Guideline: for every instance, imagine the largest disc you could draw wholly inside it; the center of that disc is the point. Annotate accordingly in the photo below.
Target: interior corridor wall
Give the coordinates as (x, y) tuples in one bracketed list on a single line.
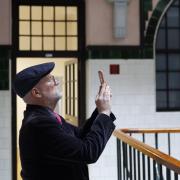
[(133, 103)]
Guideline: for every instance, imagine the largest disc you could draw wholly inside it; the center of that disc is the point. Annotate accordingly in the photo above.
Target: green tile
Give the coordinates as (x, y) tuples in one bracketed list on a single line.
[(4, 68)]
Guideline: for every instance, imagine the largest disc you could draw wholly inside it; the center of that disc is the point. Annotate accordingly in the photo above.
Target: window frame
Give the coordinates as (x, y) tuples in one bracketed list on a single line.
[(166, 51)]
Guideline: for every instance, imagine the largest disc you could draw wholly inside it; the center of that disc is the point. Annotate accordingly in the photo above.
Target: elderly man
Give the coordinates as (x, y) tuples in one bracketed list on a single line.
[(51, 148)]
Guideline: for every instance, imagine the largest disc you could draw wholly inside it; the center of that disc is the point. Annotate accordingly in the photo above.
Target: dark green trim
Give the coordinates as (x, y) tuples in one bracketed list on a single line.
[(147, 8), (118, 52), (153, 22), (4, 67)]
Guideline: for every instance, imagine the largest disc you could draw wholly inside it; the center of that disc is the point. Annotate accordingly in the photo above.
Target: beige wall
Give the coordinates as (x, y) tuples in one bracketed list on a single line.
[(5, 22), (99, 23), (99, 19)]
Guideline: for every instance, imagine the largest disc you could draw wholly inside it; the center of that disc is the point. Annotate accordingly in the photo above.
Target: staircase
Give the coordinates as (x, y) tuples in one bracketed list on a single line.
[(139, 161)]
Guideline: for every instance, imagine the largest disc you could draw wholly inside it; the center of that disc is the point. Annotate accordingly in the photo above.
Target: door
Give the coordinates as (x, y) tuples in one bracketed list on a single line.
[(43, 32)]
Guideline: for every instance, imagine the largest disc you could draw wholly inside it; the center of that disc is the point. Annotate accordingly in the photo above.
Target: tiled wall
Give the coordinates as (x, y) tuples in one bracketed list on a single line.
[(134, 104), (5, 135)]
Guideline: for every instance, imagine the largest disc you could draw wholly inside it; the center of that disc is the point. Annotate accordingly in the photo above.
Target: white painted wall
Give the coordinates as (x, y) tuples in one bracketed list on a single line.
[(134, 104), (5, 135)]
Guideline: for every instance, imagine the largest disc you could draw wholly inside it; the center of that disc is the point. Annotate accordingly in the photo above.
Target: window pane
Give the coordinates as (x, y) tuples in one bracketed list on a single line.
[(59, 13), (160, 43), (72, 43), (162, 24), (67, 73), (68, 95), (174, 62), (57, 26), (76, 90), (48, 28), (24, 12), (161, 99), (176, 2), (36, 13), (36, 43), (71, 28), (76, 108), (76, 72), (60, 43), (68, 109), (161, 81), (60, 28), (24, 28), (36, 28), (161, 62), (173, 38), (174, 99), (48, 13), (72, 89), (72, 106), (174, 80), (48, 43), (72, 13), (168, 61), (66, 106), (173, 17), (24, 43), (72, 69)]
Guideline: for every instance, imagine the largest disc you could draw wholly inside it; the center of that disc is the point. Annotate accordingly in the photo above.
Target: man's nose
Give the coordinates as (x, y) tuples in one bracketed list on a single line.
[(56, 82)]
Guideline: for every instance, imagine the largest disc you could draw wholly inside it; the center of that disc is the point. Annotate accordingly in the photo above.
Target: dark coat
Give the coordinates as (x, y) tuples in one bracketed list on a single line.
[(53, 151)]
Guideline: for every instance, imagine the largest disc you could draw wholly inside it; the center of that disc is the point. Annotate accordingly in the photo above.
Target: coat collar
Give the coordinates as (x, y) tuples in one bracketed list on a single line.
[(37, 108)]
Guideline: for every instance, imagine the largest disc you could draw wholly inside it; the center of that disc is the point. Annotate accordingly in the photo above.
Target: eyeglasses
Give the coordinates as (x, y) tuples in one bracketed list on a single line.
[(54, 80)]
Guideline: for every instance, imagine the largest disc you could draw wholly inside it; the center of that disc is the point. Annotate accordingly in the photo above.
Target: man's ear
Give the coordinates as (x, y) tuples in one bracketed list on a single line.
[(36, 93)]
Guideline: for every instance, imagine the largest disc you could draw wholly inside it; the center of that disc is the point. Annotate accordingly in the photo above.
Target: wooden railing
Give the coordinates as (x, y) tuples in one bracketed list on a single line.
[(139, 161)]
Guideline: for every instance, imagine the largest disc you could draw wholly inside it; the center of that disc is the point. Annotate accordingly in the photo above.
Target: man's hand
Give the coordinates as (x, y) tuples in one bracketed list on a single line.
[(103, 99)]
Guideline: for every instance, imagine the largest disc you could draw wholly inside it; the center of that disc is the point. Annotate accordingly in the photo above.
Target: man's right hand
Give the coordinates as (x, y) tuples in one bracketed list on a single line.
[(103, 99)]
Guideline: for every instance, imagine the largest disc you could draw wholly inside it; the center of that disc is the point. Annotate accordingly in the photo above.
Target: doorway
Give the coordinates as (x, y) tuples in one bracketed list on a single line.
[(66, 72), (46, 31)]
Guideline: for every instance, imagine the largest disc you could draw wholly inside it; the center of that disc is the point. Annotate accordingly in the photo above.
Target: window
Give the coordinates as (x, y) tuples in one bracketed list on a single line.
[(71, 92), (168, 60), (48, 28)]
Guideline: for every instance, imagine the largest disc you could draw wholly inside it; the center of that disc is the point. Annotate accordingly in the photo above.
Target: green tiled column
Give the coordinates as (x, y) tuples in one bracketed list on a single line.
[(4, 68)]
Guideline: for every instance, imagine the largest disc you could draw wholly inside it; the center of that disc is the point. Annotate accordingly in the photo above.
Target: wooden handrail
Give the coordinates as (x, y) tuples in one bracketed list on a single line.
[(158, 130), (155, 154)]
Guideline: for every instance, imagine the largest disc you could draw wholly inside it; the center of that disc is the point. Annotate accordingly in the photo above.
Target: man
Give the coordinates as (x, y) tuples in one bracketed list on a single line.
[(50, 148)]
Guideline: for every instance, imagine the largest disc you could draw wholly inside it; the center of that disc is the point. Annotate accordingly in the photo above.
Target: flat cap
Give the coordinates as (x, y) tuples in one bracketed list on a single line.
[(26, 79)]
